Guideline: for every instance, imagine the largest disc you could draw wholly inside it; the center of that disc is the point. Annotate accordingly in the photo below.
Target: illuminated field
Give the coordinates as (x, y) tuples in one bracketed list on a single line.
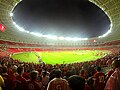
[(58, 57)]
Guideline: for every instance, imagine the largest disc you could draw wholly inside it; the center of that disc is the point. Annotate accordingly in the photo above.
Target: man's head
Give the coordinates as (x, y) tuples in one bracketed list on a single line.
[(14, 68), (20, 70), (76, 82), (57, 73), (99, 68), (34, 75), (4, 69), (116, 64)]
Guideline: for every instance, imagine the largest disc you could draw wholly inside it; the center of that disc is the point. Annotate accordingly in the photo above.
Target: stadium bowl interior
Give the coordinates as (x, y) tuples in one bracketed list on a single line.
[(13, 38)]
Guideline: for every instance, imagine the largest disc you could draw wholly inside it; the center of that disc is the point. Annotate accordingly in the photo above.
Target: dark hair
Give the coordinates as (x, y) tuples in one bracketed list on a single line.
[(33, 74), (90, 81), (9, 65), (19, 70), (82, 71), (40, 78), (44, 73), (4, 69), (58, 73), (76, 82), (116, 63), (99, 68)]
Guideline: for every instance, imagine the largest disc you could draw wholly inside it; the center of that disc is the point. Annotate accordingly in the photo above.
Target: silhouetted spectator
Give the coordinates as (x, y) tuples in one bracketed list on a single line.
[(33, 84), (99, 79), (113, 82), (76, 82), (20, 80), (7, 80)]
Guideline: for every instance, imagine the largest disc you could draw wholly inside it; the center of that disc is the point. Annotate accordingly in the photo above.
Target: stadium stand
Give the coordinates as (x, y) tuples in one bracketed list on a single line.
[(67, 69)]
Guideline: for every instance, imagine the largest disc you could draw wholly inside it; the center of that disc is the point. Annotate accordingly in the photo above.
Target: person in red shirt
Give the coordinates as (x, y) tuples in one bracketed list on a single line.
[(33, 84), (90, 82), (99, 79), (113, 82), (8, 82), (26, 74), (86, 73), (58, 83), (82, 73), (109, 73), (87, 87), (45, 78), (9, 71), (20, 80)]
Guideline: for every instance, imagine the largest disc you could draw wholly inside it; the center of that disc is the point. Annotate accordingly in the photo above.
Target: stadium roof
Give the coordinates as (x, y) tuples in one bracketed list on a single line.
[(110, 7)]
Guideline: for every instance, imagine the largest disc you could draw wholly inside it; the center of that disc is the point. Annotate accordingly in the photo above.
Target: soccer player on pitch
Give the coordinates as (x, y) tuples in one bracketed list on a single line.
[(40, 61)]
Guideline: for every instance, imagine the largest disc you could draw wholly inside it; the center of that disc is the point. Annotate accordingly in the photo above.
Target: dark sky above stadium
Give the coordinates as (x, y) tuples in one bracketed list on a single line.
[(69, 18)]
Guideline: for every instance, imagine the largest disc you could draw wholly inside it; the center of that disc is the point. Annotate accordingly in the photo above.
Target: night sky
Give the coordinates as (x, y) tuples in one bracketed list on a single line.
[(69, 18)]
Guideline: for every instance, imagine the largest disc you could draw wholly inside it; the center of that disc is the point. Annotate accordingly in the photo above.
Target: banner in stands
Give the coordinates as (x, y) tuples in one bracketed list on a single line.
[(2, 28)]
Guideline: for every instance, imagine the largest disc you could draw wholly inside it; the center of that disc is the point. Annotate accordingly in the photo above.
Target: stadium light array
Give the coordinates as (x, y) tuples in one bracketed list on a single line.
[(75, 39), (53, 37), (68, 38), (20, 28), (27, 31), (14, 23), (104, 35), (83, 38), (36, 34), (61, 38), (108, 32)]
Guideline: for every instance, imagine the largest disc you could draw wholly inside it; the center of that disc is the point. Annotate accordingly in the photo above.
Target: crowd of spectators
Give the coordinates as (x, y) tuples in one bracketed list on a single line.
[(16, 75)]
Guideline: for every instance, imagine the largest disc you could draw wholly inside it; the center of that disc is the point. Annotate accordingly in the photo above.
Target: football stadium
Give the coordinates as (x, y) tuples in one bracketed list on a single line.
[(43, 40)]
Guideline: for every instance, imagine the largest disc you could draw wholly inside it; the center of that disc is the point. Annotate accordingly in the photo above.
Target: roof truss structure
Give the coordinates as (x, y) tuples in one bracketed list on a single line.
[(110, 7)]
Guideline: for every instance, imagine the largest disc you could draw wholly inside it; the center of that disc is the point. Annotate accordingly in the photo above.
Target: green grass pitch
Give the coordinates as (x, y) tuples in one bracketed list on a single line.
[(58, 57)]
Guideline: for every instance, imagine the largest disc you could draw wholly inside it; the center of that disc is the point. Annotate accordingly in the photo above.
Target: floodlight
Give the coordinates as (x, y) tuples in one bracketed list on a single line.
[(17, 26), (75, 39), (52, 37), (68, 38), (11, 14), (44, 35), (36, 34), (61, 38), (94, 41), (14, 23), (108, 32), (84, 38), (16, 4), (104, 35), (21, 29), (27, 31), (99, 36)]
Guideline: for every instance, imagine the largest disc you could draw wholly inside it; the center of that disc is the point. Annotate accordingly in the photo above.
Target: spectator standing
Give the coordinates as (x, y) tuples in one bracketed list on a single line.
[(20, 80), (7, 80), (113, 82), (45, 79), (99, 79), (58, 83), (76, 82), (33, 83)]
